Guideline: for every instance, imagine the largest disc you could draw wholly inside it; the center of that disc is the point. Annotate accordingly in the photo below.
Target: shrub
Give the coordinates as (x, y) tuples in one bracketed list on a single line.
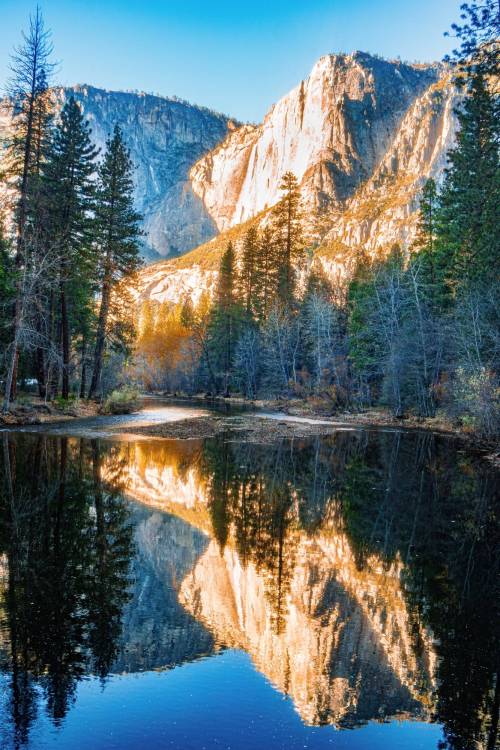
[(122, 401), (477, 401), (66, 405)]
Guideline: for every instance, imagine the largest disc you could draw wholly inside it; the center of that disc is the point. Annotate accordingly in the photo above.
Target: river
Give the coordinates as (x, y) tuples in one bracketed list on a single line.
[(337, 591)]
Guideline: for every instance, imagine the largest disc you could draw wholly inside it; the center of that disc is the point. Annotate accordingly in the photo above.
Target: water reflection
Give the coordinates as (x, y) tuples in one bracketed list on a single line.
[(66, 545), (359, 571)]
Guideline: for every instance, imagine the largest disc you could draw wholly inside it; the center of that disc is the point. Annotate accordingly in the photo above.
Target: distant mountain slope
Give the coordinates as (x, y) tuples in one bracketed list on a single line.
[(166, 136), (360, 133)]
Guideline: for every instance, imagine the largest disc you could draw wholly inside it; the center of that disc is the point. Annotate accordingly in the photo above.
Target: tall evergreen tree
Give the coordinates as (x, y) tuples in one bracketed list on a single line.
[(426, 245), (426, 229), (267, 272), (250, 271), (117, 233), (69, 191), (469, 243), (28, 91), (288, 233), (225, 315)]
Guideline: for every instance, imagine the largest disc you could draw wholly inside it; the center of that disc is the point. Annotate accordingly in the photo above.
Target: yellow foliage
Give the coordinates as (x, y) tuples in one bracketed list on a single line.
[(164, 343)]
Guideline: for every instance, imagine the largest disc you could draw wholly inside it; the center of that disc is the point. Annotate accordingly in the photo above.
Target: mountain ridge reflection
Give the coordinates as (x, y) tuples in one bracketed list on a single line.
[(358, 571)]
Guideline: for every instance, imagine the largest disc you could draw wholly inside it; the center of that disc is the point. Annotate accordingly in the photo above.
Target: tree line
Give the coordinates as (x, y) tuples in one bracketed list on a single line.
[(416, 331), (69, 236)]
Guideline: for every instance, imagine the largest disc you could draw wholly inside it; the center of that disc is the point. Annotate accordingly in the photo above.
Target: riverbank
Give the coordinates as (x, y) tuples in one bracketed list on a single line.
[(262, 421), (36, 411)]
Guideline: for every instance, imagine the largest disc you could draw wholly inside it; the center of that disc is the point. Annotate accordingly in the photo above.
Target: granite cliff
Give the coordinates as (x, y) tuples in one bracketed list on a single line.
[(331, 131), (361, 134)]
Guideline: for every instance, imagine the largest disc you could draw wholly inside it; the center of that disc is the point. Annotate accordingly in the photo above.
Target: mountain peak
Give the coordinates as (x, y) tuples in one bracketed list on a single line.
[(331, 130), (361, 134)]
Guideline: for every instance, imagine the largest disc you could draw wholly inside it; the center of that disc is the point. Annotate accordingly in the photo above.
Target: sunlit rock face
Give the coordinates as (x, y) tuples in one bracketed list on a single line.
[(331, 131), (338, 638), (162, 282), (384, 210), (166, 475), (361, 135)]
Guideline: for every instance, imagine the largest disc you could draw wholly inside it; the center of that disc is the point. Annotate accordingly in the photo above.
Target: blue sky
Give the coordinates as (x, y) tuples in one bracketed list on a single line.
[(237, 57)]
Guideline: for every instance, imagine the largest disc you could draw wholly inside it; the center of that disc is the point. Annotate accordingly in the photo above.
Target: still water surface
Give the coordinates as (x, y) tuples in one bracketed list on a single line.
[(330, 592)]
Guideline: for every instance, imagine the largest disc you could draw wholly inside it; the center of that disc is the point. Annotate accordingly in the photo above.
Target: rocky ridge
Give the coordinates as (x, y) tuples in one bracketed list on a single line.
[(384, 210), (331, 131), (360, 133)]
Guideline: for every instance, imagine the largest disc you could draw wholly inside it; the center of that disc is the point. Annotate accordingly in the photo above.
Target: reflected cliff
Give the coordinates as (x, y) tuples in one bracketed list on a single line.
[(359, 571), (88, 580)]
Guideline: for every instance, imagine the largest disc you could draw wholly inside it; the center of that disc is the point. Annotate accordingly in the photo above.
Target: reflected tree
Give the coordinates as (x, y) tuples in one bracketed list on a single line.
[(410, 499), (108, 592), (67, 545)]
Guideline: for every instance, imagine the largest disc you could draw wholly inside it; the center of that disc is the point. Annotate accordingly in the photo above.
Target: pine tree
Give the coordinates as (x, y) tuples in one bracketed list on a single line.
[(478, 33), (267, 273), (469, 244), (426, 246), (69, 191), (29, 94), (288, 233), (249, 274), (28, 91), (224, 321), (426, 228), (117, 234)]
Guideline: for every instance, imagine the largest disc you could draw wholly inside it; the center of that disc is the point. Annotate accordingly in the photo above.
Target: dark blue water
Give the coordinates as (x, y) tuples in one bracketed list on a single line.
[(221, 702), (338, 592)]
